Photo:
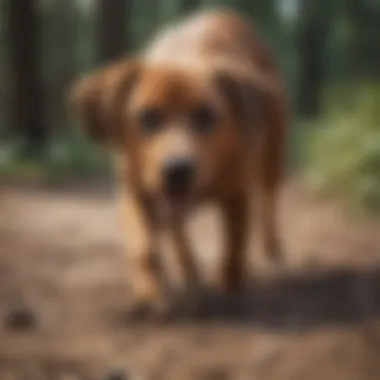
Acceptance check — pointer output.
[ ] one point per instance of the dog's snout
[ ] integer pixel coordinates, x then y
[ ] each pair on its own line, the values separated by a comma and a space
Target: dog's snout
179, 173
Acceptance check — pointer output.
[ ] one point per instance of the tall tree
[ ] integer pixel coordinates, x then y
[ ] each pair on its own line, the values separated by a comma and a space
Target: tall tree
187, 6
3, 73
147, 21
311, 35
27, 98
111, 26
60, 20
364, 38
153, 16
265, 16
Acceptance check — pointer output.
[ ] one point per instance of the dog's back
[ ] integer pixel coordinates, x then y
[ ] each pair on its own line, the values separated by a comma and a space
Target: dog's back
212, 38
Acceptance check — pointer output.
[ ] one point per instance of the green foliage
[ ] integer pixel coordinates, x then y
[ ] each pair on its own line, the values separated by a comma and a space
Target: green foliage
343, 152
74, 157
66, 158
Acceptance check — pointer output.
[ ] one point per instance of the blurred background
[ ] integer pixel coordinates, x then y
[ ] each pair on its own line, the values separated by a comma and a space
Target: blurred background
62, 265
327, 50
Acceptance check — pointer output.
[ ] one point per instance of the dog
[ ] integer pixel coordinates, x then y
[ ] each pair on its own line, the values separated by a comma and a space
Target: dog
199, 115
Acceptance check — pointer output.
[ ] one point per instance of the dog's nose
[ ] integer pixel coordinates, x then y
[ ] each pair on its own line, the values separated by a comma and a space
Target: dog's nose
178, 174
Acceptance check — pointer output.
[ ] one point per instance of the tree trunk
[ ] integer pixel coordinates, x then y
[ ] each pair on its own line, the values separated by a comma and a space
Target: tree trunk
63, 54
27, 98
112, 28
4, 79
313, 27
363, 40
153, 18
188, 6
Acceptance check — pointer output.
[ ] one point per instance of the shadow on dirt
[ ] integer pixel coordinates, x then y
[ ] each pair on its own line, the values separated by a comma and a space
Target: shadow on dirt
340, 297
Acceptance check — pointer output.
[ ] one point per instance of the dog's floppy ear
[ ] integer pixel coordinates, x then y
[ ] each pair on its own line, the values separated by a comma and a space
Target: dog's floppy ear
248, 96
98, 100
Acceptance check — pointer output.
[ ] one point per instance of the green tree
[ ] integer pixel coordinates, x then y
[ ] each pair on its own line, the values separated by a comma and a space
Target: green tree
61, 58
111, 28
364, 38
187, 6
4, 128
27, 91
313, 26
147, 21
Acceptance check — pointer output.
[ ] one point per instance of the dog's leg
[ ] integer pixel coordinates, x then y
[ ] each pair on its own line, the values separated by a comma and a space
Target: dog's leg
187, 301
235, 212
271, 241
148, 277
272, 168
185, 258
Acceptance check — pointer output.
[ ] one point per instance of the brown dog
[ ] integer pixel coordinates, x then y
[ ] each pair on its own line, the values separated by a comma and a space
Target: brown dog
199, 116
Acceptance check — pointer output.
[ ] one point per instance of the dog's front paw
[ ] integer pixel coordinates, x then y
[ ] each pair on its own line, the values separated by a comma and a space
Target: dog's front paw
143, 310
148, 301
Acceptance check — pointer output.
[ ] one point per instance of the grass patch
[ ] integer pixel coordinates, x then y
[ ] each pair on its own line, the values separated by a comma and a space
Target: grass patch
65, 159
342, 152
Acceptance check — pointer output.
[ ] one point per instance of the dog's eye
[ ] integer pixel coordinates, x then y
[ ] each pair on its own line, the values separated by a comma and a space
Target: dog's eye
150, 119
204, 118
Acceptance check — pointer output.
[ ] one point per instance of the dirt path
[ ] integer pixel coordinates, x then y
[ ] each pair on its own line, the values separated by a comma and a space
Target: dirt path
61, 257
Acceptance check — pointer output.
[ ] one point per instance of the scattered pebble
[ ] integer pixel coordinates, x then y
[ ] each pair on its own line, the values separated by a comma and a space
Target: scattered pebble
118, 374
20, 319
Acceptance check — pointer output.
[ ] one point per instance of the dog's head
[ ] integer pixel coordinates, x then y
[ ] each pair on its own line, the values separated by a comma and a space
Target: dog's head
178, 129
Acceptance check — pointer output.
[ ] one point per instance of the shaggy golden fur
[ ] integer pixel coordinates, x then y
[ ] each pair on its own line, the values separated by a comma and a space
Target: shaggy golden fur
200, 115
